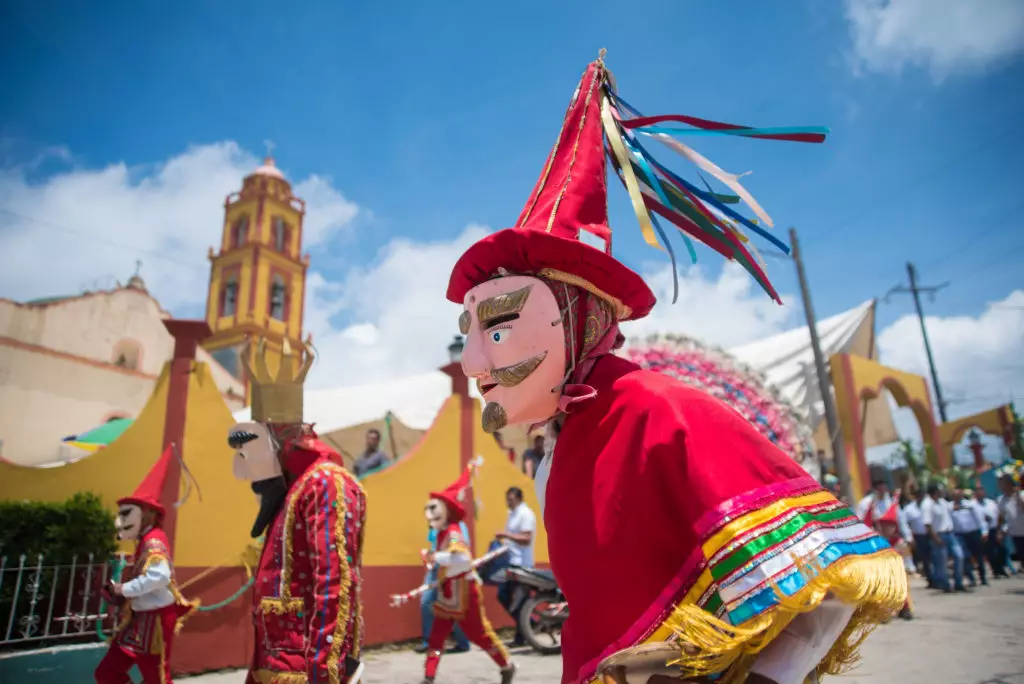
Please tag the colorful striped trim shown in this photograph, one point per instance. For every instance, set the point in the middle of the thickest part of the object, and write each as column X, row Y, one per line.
column 755, row 548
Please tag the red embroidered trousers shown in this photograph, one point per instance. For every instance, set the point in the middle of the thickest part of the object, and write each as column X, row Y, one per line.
column 144, row 642
column 475, row 626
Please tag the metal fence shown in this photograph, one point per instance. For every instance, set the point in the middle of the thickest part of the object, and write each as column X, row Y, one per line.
column 44, row 603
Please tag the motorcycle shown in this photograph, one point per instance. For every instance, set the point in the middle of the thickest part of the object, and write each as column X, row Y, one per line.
column 537, row 603
column 540, row 607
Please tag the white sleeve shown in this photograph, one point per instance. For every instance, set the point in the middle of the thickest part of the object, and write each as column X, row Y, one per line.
column 529, row 522
column 157, row 576
column 864, row 506
column 457, row 563
column 905, row 532
column 927, row 513
column 980, row 517
column 805, row 642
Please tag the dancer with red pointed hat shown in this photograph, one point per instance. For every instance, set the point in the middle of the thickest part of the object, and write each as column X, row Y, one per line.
column 153, row 609
column 893, row 528
column 308, row 610
column 686, row 544
column 459, row 598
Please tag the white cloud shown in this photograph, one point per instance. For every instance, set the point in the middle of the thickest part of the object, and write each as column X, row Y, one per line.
column 84, row 228
column 978, row 358
column 402, row 322
column 944, row 37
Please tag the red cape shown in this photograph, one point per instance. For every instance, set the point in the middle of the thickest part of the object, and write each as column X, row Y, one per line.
column 640, row 477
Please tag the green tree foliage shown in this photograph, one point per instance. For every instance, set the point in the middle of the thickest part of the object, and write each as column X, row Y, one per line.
column 79, row 526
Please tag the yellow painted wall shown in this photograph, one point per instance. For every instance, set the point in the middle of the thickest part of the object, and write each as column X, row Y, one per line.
column 493, row 480
column 214, row 531
column 111, row 473
column 396, row 529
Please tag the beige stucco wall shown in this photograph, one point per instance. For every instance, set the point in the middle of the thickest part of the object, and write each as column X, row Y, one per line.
column 46, row 396
column 93, row 325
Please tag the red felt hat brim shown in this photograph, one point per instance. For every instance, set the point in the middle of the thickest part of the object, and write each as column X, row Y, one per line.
column 456, row 513
column 531, row 251
column 142, row 503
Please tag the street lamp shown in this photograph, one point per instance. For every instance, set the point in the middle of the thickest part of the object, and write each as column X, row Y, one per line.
column 455, row 349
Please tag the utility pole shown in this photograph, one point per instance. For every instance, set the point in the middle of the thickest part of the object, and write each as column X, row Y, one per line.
column 916, row 291
column 824, row 381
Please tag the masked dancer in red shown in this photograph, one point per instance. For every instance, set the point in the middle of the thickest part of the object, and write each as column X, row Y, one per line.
column 459, row 597
column 153, row 610
column 308, row 615
column 686, row 543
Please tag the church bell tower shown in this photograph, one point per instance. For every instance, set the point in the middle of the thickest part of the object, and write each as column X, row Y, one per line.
column 258, row 276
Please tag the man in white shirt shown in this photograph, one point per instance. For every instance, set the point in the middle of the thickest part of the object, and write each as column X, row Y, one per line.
column 913, row 514
column 1011, row 514
column 972, row 533
column 938, row 519
column 995, row 547
column 519, row 536
column 875, row 504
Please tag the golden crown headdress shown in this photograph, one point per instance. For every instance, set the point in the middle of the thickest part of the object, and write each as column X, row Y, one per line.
column 277, row 398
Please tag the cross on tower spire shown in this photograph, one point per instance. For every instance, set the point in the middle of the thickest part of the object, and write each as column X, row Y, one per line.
column 269, row 144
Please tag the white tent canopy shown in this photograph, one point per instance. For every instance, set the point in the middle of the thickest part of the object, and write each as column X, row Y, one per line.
column 787, row 362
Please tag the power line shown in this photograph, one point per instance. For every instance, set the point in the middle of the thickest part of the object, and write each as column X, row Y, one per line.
column 916, row 291
column 99, row 238
column 976, row 236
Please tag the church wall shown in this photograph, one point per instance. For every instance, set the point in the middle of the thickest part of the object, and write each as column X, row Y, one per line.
column 44, row 398
column 58, row 375
column 91, row 326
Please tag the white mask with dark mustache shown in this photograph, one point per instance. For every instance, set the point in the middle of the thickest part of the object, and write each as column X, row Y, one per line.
column 129, row 522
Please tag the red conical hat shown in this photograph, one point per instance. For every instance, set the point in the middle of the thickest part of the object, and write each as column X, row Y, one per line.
column 891, row 515
column 148, row 493
column 571, row 195
column 454, row 494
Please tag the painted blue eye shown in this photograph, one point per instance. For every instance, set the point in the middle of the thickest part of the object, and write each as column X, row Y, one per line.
column 499, row 336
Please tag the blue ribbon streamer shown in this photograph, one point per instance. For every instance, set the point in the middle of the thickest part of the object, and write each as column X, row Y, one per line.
column 741, row 132
column 707, row 197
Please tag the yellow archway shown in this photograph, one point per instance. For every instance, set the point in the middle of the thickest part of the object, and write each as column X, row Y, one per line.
column 856, row 378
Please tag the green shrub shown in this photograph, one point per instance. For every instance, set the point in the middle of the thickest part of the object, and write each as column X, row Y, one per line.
column 58, row 530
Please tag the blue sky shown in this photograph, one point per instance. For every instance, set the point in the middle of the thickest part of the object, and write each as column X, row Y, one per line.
column 433, row 116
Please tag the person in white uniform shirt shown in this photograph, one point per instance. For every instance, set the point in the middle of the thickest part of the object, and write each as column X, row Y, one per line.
column 995, row 548
column 1011, row 514
column 875, row 504
column 972, row 533
column 519, row 536
column 938, row 518
column 922, row 543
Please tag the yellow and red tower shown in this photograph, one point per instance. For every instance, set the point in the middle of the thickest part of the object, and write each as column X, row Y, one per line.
column 258, row 276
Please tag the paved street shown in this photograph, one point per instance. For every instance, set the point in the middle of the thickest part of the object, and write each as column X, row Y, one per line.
column 957, row 639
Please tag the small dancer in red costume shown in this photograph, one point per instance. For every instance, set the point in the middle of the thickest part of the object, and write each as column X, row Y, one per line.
column 459, row 598
column 892, row 529
column 686, row 543
column 152, row 608
column 308, row 613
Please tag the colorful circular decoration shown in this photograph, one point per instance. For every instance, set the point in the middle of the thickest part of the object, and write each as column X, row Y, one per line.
column 722, row 376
